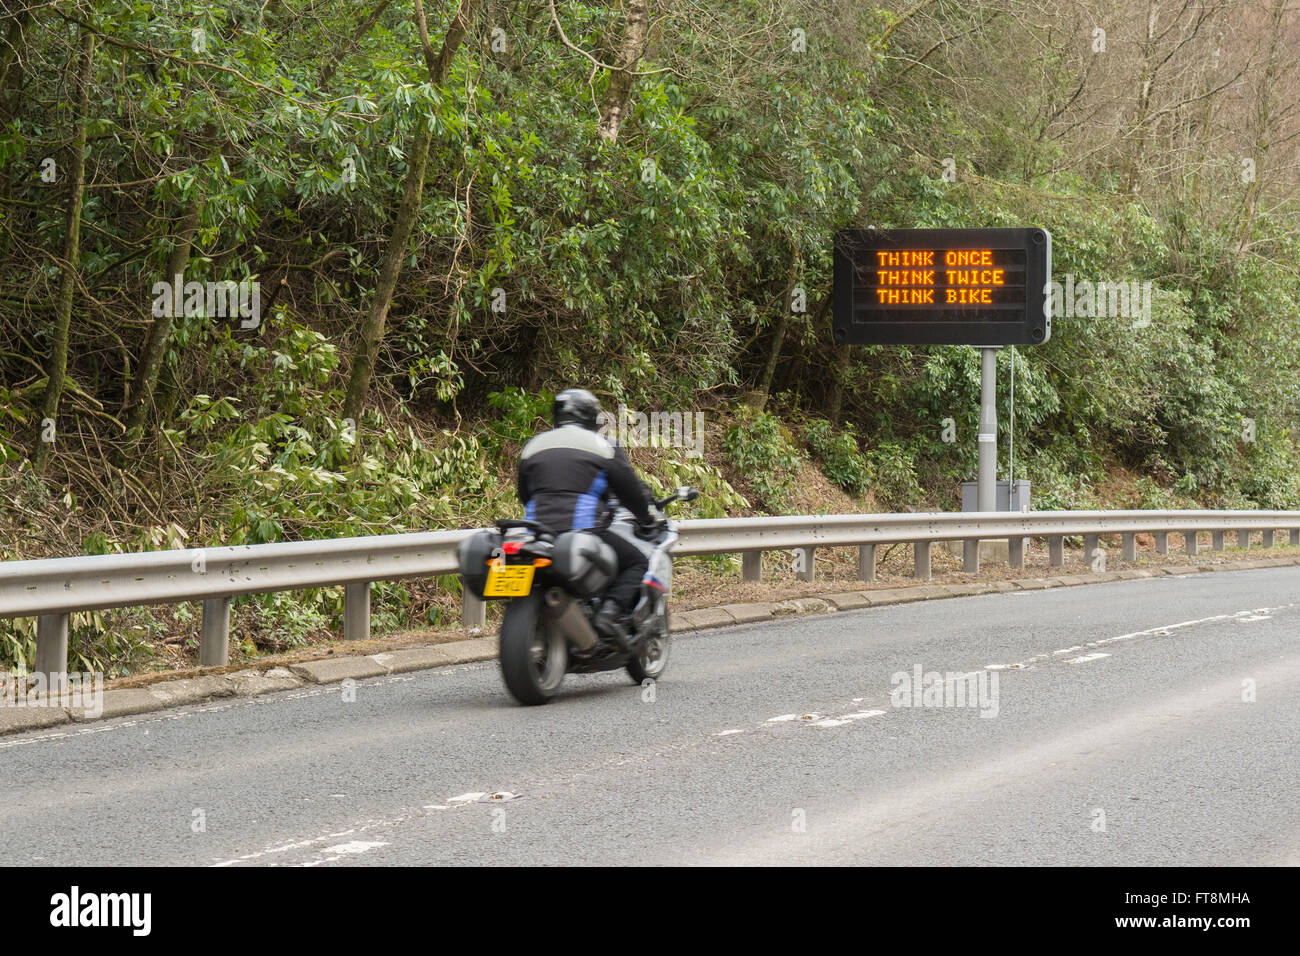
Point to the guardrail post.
(1162, 542)
(970, 557)
(1016, 551)
(1191, 542)
(751, 566)
(1129, 549)
(1056, 550)
(1216, 540)
(52, 646)
(1243, 540)
(866, 562)
(356, 611)
(921, 560)
(806, 557)
(214, 644)
(1091, 543)
(1268, 538)
(473, 610)
(1295, 537)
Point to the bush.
(842, 461)
(893, 474)
(760, 449)
(717, 497)
(521, 414)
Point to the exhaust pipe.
(569, 619)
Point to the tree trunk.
(758, 397)
(1204, 127)
(11, 57)
(618, 95)
(1147, 77)
(1264, 122)
(372, 330)
(57, 367)
(155, 346)
(835, 404)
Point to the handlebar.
(684, 493)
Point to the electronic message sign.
(942, 286)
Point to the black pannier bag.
(473, 554)
(583, 562)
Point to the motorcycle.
(554, 584)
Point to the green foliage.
(1153, 496)
(312, 474)
(893, 475)
(758, 446)
(113, 643)
(522, 414)
(717, 499)
(841, 459)
(17, 644)
(1271, 477)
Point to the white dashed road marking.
(1085, 658)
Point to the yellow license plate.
(511, 580)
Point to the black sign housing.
(942, 286)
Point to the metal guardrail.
(51, 589)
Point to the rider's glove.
(649, 530)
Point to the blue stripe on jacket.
(584, 515)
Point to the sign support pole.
(986, 480)
(988, 433)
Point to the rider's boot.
(609, 622)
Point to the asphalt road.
(1127, 735)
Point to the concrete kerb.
(16, 720)
(749, 613)
(254, 681)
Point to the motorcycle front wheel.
(652, 658)
(533, 654)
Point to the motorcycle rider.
(565, 479)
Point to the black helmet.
(576, 406)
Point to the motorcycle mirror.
(687, 493)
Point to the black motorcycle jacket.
(566, 477)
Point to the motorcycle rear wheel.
(533, 655)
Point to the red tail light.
(512, 547)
